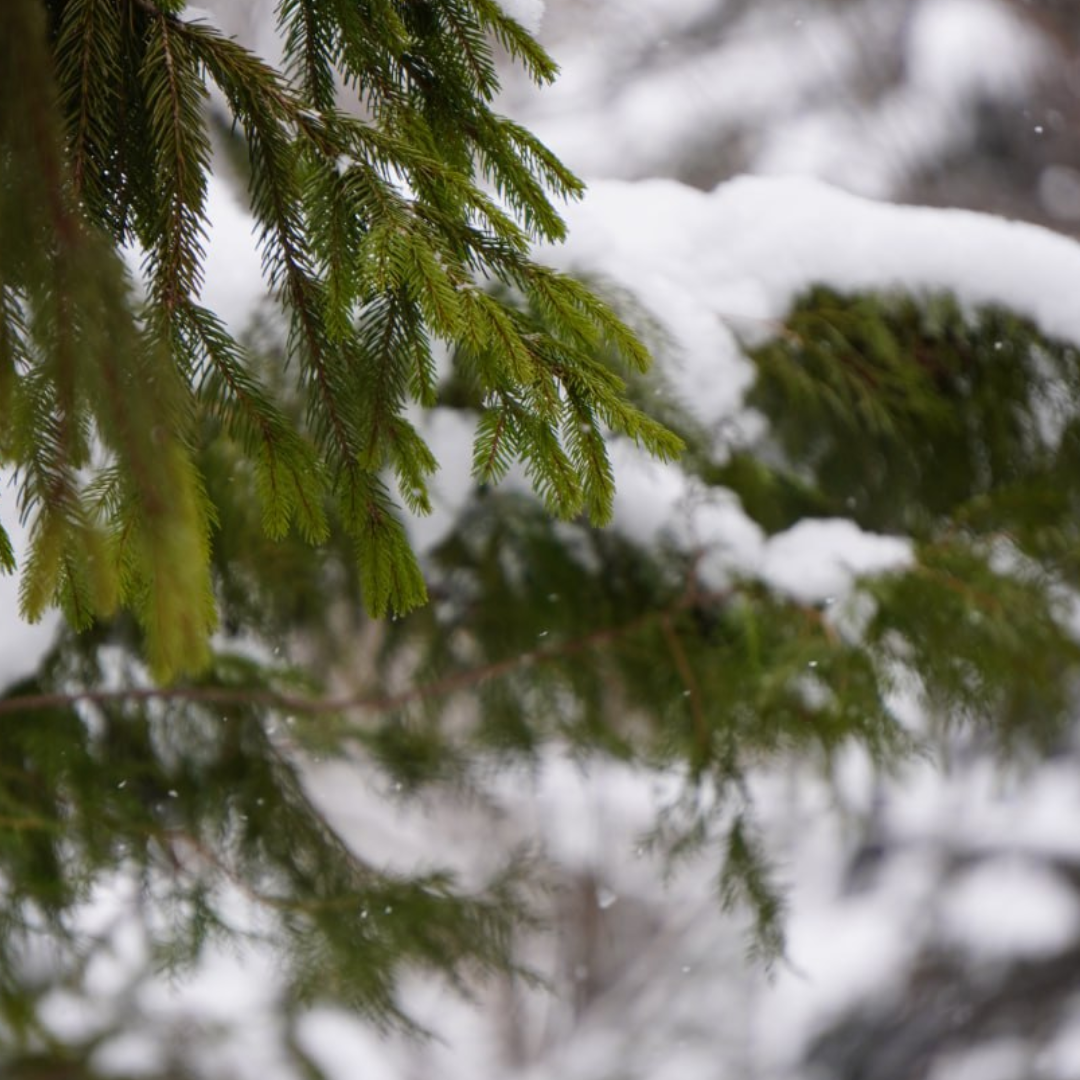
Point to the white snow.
(660, 88)
(830, 947)
(966, 48)
(1007, 907)
(341, 1047)
(747, 248)
(23, 645)
(234, 285)
(985, 808)
(819, 560)
(530, 13)
(451, 431)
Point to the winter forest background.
(756, 169)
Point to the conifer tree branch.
(690, 682)
(175, 99)
(364, 702)
(92, 38)
(377, 239)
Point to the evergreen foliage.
(544, 630)
(957, 428)
(177, 477)
(906, 413)
(204, 806)
(378, 237)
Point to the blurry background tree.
(866, 554)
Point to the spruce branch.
(377, 238)
(365, 702)
(702, 735)
(175, 101)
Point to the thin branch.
(689, 680)
(373, 703)
(27, 824)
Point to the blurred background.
(942, 102)
(933, 918)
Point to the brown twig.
(361, 702)
(689, 680)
